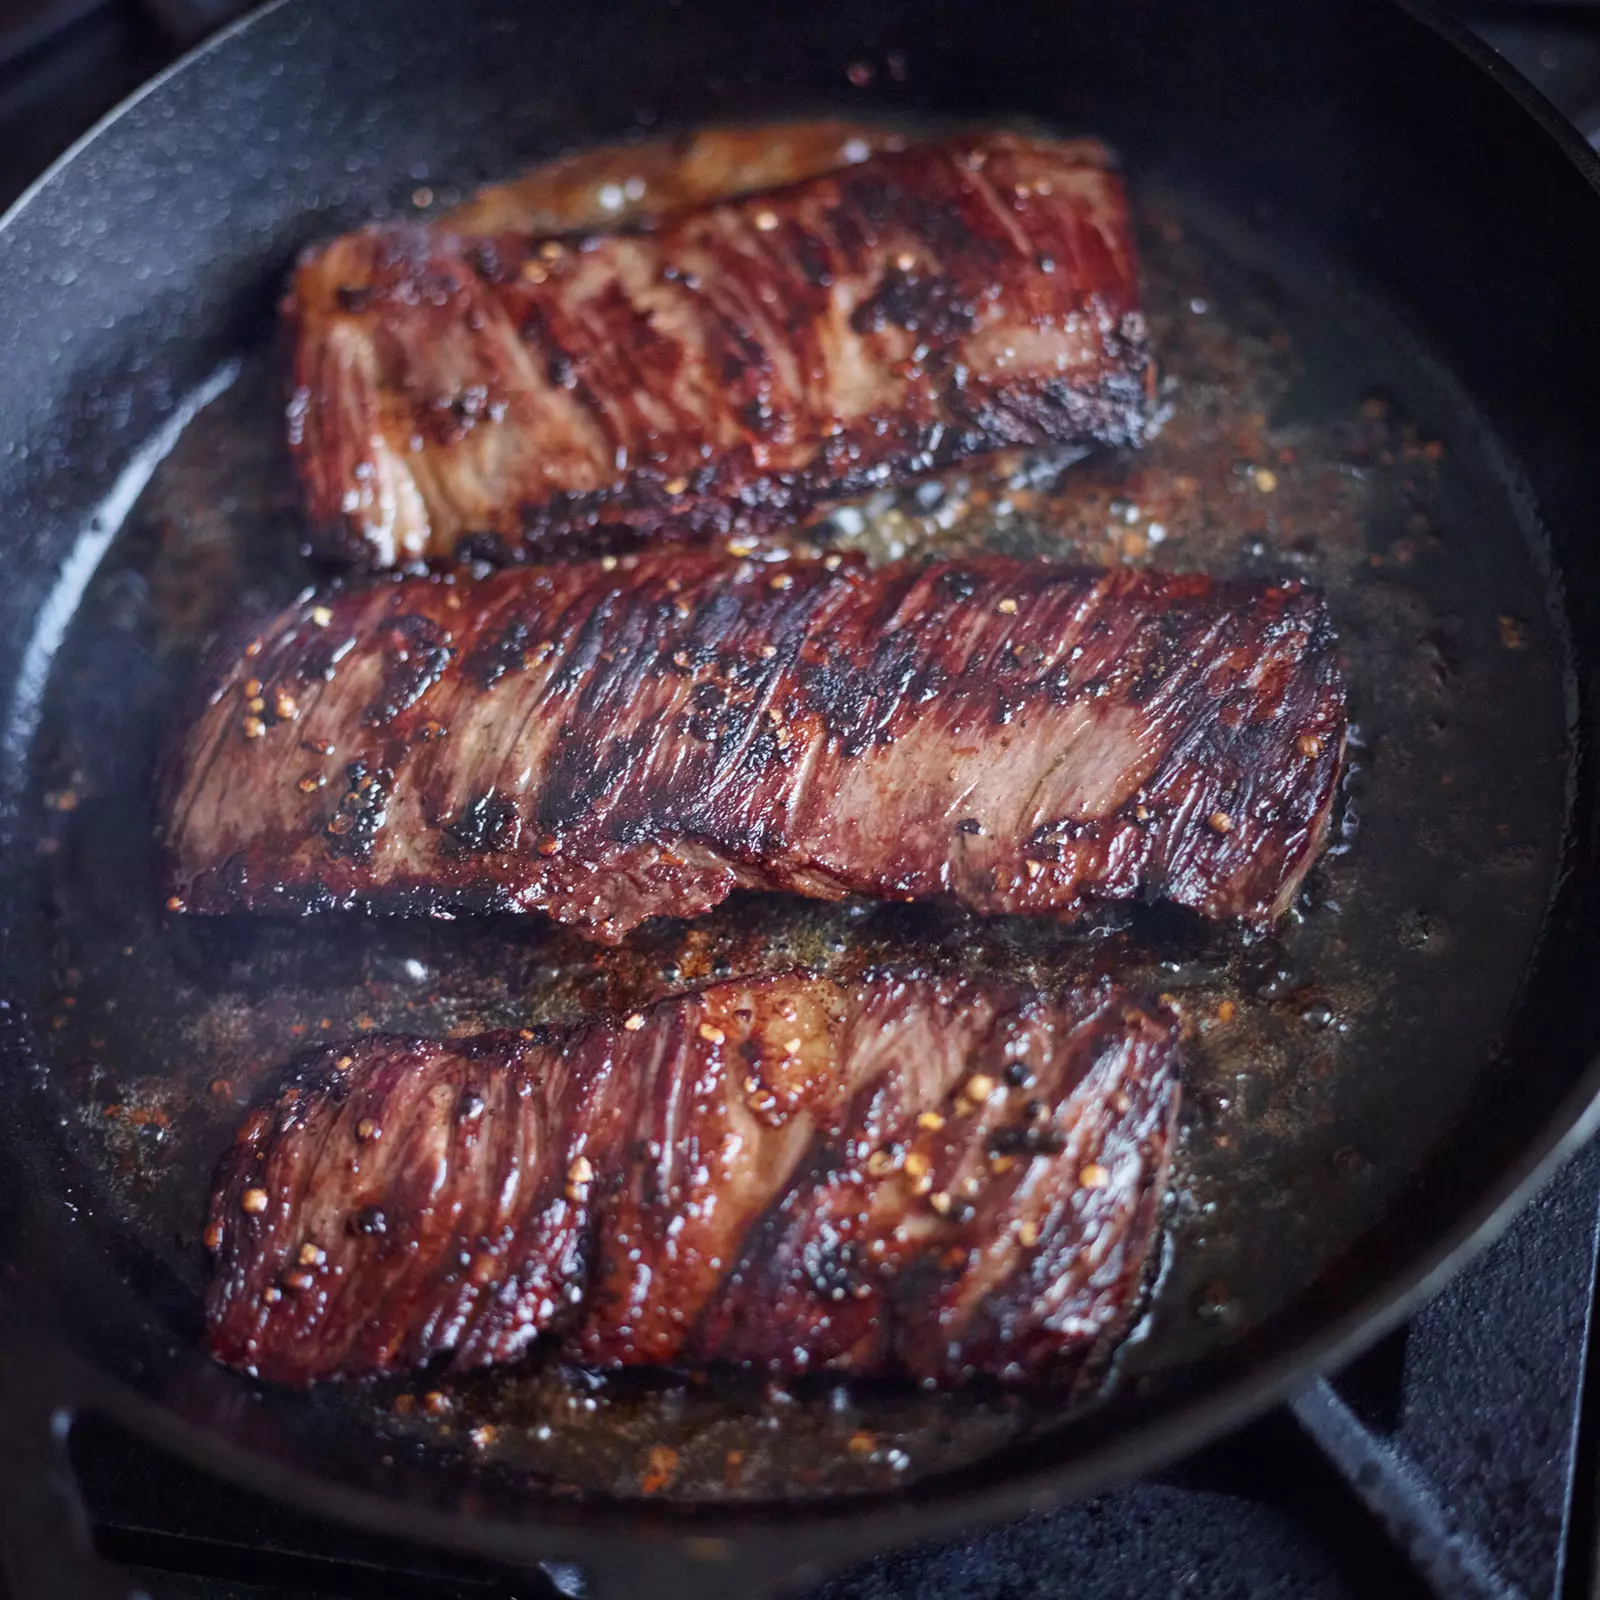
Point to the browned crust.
(726, 366)
(611, 741)
(912, 1175)
(612, 186)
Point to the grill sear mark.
(786, 1173)
(729, 367)
(1015, 737)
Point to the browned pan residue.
(1304, 437)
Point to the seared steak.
(610, 741)
(727, 366)
(607, 187)
(912, 1175)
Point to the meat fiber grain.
(615, 740)
(902, 1174)
(726, 366)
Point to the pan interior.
(1307, 434)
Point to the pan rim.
(879, 1520)
(1150, 1443)
(216, 41)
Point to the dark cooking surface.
(1455, 1440)
(1497, 1358)
(1307, 436)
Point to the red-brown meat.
(603, 188)
(927, 1176)
(726, 366)
(613, 741)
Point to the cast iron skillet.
(1372, 137)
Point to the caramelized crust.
(908, 1175)
(611, 186)
(725, 366)
(610, 741)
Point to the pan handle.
(46, 1547)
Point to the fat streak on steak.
(725, 366)
(901, 1174)
(602, 188)
(619, 739)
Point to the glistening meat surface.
(724, 366)
(900, 1174)
(604, 188)
(610, 741)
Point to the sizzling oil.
(1303, 435)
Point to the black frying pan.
(1397, 253)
